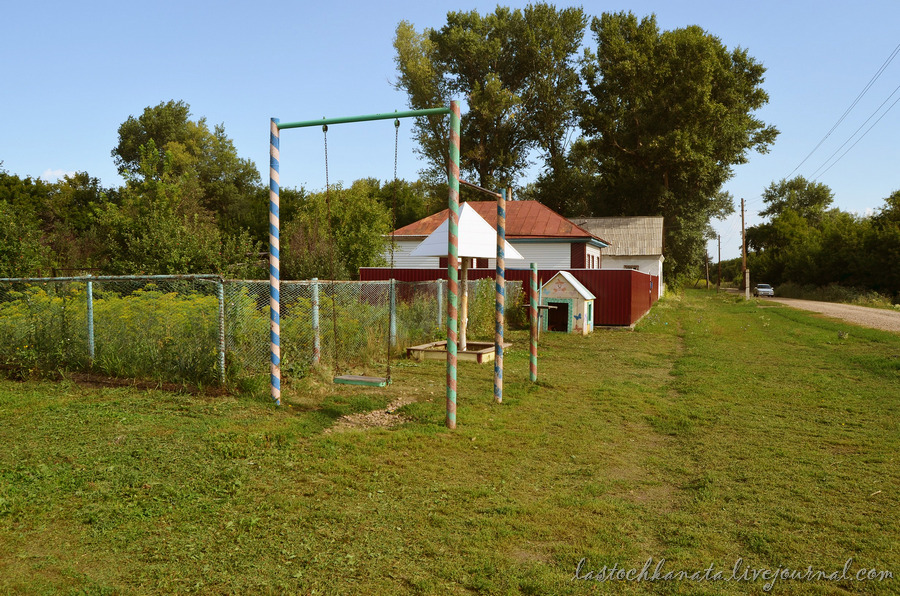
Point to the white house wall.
(593, 251)
(547, 255)
(649, 264)
(403, 260)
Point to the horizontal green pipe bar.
(407, 114)
(187, 277)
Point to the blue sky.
(74, 71)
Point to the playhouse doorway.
(558, 316)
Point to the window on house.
(635, 267)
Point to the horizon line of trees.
(639, 121)
(806, 241)
(190, 204)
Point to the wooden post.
(440, 303)
(463, 303)
(707, 270)
(744, 255)
(533, 312)
(719, 278)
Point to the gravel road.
(864, 316)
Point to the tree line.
(808, 242)
(190, 204)
(634, 121)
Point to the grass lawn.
(718, 434)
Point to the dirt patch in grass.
(375, 419)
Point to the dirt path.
(864, 316)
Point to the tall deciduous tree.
(667, 116)
(809, 199)
(516, 71)
(334, 241)
(22, 252)
(226, 184)
(160, 227)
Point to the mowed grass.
(718, 431)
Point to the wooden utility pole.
(719, 278)
(707, 270)
(744, 255)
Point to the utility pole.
(707, 270)
(744, 255)
(719, 278)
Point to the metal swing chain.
(393, 240)
(330, 251)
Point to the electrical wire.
(868, 86)
(861, 136)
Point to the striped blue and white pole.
(500, 284)
(274, 263)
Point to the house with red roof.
(540, 234)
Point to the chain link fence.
(206, 330)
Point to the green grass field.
(718, 433)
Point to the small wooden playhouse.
(569, 305)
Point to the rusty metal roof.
(524, 219)
(627, 236)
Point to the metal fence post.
(220, 294)
(393, 314)
(533, 312)
(317, 345)
(440, 303)
(90, 319)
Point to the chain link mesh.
(205, 330)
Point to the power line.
(863, 135)
(850, 138)
(868, 86)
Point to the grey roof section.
(627, 236)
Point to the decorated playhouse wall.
(571, 305)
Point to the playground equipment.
(452, 253)
(350, 379)
(275, 127)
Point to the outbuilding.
(569, 305)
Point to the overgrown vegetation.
(169, 332)
(704, 437)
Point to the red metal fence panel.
(622, 295)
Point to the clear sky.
(74, 71)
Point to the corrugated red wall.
(623, 295)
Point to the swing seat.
(362, 380)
